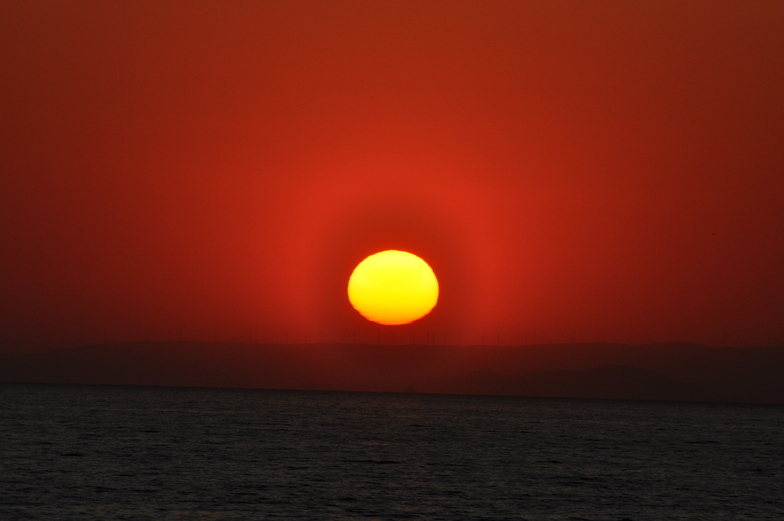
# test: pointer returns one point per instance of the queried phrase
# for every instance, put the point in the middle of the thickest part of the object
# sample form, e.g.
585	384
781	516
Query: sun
393	287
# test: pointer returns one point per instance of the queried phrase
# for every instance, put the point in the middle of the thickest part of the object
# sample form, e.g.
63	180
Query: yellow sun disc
393	287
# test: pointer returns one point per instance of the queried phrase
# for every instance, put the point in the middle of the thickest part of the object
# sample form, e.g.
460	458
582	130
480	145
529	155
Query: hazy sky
574	170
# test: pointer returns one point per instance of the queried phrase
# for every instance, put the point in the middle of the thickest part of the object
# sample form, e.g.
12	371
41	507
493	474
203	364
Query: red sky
572	170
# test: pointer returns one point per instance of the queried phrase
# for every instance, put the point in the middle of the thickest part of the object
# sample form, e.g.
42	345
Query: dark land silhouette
667	371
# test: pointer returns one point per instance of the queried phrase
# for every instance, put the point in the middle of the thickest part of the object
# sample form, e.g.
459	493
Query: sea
70	452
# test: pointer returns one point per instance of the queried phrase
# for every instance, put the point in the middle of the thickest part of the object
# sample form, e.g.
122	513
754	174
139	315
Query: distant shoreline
664	371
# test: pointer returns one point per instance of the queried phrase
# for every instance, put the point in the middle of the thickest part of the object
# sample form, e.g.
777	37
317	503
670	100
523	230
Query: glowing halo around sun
393	287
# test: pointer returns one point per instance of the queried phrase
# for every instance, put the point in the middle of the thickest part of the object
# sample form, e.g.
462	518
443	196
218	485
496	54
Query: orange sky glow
587	171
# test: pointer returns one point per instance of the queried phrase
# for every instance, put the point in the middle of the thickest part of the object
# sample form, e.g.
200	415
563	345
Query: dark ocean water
81	452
